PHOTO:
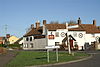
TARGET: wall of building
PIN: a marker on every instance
(59, 35)
(40, 43)
(34, 44)
(89, 38)
(13, 39)
(97, 36)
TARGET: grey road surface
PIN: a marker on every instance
(92, 62)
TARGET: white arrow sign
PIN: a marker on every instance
(48, 47)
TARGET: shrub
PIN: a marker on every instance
(14, 45)
(2, 45)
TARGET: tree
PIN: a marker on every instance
(54, 22)
(72, 22)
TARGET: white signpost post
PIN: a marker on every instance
(69, 50)
(52, 47)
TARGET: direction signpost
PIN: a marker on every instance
(48, 49)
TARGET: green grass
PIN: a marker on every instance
(29, 58)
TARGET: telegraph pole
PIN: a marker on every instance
(6, 39)
(6, 28)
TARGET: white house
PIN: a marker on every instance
(46, 35)
(55, 34)
(85, 34)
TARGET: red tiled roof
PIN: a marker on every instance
(72, 24)
(1, 38)
(52, 27)
(89, 28)
(34, 31)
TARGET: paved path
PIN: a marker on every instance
(5, 58)
(93, 62)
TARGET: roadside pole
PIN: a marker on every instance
(69, 50)
(68, 43)
(48, 55)
(57, 53)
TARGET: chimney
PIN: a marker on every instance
(44, 28)
(79, 21)
(44, 22)
(37, 24)
(7, 35)
(66, 25)
(32, 26)
(94, 22)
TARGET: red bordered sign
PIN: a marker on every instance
(62, 34)
(51, 37)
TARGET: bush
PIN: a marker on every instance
(2, 45)
(14, 45)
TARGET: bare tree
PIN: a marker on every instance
(72, 22)
(69, 22)
(54, 22)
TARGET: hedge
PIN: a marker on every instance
(2, 45)
(10, 45)
(14, 45)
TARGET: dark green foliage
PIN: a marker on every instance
(2, 45)
(14, 45)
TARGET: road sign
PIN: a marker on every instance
(52, 47)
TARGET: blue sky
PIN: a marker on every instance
(20, 14)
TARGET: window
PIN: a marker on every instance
(27, 39)
(27, 45)
(30, 38)
(57, 34)
(24, 45)
(99, 39)
(56, 43)
(75, 34)
(93, 35)
(31, 45)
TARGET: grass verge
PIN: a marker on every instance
(29, 58)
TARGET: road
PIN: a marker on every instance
(5, 58)
(92, 62)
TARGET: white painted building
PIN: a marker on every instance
(55, 34)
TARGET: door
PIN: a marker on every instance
(71, 44)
